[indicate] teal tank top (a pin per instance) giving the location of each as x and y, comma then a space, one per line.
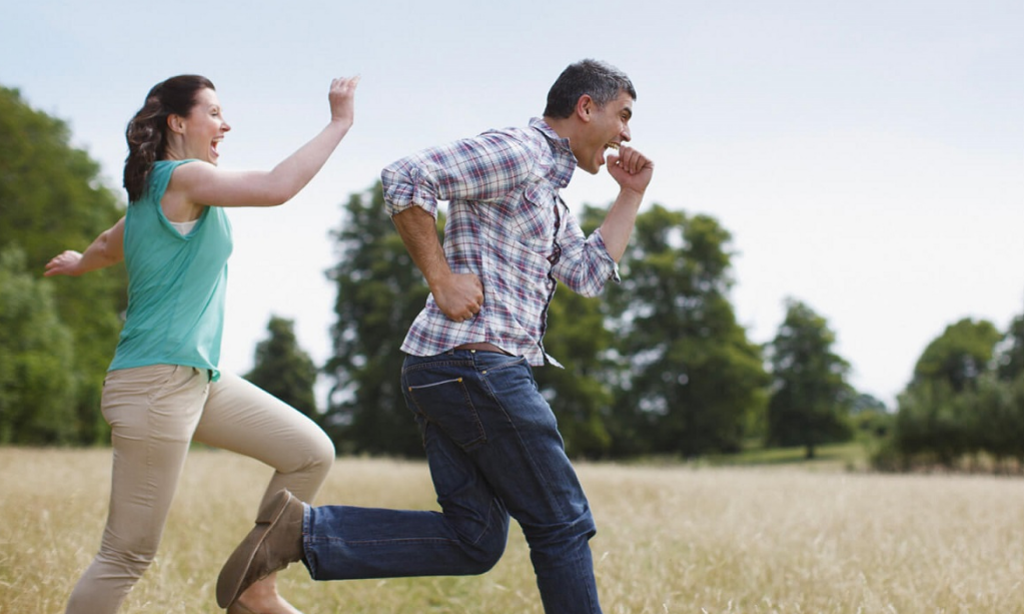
176, 284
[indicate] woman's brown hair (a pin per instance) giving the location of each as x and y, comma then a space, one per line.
147, 131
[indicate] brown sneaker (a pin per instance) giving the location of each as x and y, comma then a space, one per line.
270, 546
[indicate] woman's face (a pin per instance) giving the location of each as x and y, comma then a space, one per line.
204, 127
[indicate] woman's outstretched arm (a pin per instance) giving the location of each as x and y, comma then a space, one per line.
105, 250
203, 183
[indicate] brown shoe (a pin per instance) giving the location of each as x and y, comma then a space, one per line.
270, 546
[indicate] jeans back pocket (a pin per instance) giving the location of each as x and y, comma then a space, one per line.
447, 404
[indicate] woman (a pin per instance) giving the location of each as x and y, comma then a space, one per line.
164, 388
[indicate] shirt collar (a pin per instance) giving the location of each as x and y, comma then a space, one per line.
565, 160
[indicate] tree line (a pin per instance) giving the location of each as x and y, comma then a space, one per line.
964, 406
56, 339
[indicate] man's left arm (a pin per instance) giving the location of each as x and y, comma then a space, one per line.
587, 263
632, 171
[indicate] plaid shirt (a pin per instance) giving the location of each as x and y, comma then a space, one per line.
506, 223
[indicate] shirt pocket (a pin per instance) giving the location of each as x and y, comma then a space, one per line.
535, 218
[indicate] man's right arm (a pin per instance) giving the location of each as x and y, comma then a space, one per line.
475, 169
458, 296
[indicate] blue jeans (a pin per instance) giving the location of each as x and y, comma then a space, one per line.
493, 448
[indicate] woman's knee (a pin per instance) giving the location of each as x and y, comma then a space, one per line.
130, 560
312, 459
321, 451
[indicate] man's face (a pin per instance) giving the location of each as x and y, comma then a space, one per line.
605, 127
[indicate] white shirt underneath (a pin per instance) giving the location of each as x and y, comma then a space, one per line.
184, 227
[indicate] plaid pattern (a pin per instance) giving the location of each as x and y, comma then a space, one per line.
506, 223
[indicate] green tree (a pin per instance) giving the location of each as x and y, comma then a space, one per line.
1010, 356
864, 402
930, 425
870, 417
995, 417
959, 356
690, 379
579, 394
380, 292
37, 386
946, 411
1007, 401
52, 198
284, 369
810, 396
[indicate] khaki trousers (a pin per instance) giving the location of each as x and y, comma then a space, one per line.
154, 413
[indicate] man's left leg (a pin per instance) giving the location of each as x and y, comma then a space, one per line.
490, 403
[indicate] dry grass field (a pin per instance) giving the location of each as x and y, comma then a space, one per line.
670, 540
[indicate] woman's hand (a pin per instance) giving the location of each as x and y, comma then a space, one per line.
105, 250
65, 263
342, 98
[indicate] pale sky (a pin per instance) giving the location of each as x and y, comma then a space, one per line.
867, 157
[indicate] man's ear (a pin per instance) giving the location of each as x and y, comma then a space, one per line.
584, 107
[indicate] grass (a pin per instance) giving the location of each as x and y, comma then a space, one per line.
852, 455
672, 539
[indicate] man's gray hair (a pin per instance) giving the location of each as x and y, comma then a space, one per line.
601, 81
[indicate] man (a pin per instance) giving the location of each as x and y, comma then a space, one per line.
491, 439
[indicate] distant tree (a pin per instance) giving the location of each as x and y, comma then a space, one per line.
52, 198
930, 424
1008, 400
870, 416
284, 369
579, 394
690, 378
1010, 356
37, 383
959, 356
380, 292
810, 395
994, 417
953, 406
863, 402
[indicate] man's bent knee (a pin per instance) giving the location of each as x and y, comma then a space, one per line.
487, 553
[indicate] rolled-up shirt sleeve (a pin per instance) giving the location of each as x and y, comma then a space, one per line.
585, 265
477, 169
